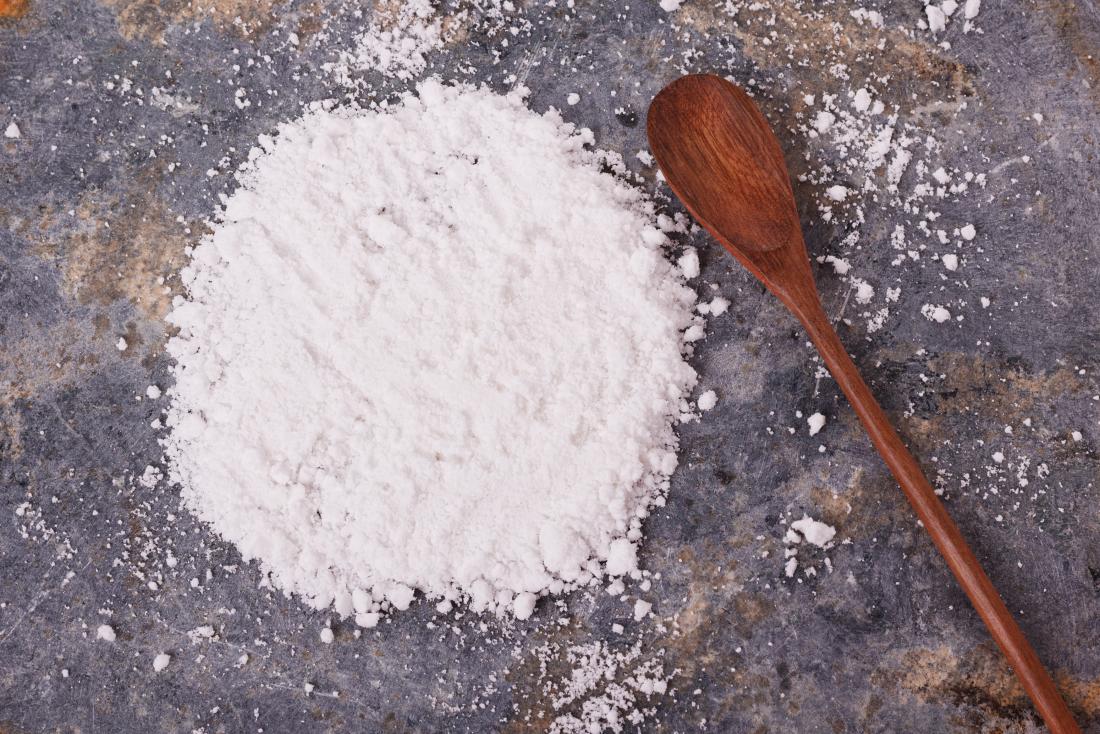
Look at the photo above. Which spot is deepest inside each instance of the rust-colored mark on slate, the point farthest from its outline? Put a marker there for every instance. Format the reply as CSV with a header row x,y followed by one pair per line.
x,y
150,18
14,8
1002,392
125,246
1083,39
772,32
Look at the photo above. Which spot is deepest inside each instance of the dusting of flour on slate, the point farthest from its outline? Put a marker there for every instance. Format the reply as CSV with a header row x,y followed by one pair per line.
x,y
429,349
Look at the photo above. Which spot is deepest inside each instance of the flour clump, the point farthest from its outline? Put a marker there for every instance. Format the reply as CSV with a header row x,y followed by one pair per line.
x,y
431,348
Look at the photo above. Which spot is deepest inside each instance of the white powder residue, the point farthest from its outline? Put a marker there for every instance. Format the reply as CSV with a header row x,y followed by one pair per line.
x,y
950,261
670,6
105,632
816,423
12,131
605,690
401,366
161,661
396,44
572,99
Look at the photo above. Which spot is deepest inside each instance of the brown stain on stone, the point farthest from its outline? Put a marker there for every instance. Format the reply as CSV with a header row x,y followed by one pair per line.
x,y
12,9
1065,16
776,35
981,680
149,19
1003,394
118,247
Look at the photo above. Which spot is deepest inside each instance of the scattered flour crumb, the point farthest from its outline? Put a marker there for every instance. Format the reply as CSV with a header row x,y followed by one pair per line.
x,y
937,20
816,423
622,557
837,192
105,632
1077,435
524,604
719,306
572,99
939,314
670,6
689,263
840,265
12,131
707,400
814,531
152,392
121,344
641,609
160,662
950,261
327,636
968,232
790,567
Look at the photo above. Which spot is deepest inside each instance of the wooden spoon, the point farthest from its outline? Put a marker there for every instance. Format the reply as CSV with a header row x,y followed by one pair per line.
x,y
720,156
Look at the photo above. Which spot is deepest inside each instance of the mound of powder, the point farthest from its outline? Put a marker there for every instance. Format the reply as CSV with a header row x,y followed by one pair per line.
x,y
429,348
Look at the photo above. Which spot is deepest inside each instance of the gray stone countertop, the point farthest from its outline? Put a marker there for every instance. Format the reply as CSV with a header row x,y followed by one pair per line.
x,y
105,187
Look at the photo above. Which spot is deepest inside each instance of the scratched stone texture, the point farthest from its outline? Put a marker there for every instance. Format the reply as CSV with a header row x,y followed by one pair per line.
x,y
107,186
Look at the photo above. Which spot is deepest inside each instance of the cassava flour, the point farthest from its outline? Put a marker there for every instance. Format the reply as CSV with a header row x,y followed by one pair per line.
x,y
429,348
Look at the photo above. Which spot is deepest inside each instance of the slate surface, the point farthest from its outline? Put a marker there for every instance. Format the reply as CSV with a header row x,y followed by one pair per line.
x,y
884,642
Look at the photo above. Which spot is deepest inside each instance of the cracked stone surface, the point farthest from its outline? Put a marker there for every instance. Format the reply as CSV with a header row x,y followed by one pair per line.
x,y
108,183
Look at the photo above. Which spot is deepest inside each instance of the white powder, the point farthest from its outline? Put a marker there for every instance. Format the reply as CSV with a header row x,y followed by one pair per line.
x,y
816,423
837,192
12,131
105,632
160,662
950,261
430,349
572,99
971,9
968,232
670,6
121,344
641,610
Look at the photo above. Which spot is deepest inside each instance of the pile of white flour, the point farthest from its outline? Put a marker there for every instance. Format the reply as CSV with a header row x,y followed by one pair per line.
x,y
432,348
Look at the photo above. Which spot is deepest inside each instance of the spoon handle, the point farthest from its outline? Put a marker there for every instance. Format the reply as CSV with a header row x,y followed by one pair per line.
x,y
945,534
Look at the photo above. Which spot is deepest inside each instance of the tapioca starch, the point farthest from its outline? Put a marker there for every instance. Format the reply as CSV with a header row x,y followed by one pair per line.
x,y
429,348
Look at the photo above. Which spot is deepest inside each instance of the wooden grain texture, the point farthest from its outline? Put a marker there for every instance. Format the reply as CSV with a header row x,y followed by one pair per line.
x,y
720,156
